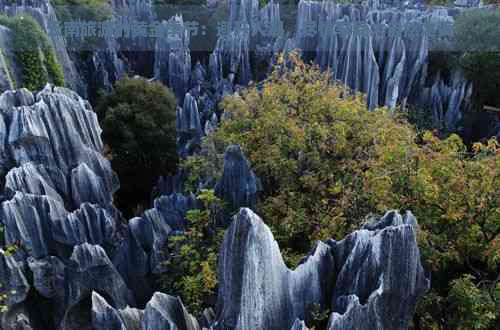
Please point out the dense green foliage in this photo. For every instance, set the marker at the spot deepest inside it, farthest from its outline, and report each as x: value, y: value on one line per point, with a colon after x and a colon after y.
x: 34, y: 52
x: 192, y: 264
x: 476, y: 30
x: 325, y: 163
x: 83, y: 10
x: 138, y: 121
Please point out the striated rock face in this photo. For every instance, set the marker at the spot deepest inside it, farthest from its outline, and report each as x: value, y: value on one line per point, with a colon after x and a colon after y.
x: 370, y: 280
x: 58, y: 208
x: 299, y: 325
x: 238, y: 185
x: 173, y: 61
x: 189, y: 129
x: 257, y: 290
x: 161, y: 312
x: 373, y: 267
x: 447, y: 101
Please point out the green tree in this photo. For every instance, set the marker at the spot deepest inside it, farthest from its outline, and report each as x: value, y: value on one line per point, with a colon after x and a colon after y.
x: 138, y: 120
x: 192, y: 264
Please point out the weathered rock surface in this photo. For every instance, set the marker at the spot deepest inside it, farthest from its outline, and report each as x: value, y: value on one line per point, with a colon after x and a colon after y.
x: 373, y: 266
x: 378, y: 267
x: 238, y: 185
x: 78, y: 257
x: 173, y: 61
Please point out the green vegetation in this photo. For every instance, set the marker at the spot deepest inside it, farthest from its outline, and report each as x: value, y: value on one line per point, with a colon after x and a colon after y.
x: 325, y: 163
x: 34, y: 52
x: 192, y: 265
x: 83, y: 10
x: 138, y: 121
x: 476, y: 30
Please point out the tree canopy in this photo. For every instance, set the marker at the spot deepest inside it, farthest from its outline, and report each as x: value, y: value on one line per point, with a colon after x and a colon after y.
x: 138, y: 121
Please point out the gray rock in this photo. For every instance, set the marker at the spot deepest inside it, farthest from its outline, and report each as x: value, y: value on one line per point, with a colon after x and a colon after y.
x: 37, y: 179
x: 173, y: 60
x: 257, y: 290
x: 239, y: 185
x: 166, y: 312
x: 34, y: 236
x: 43, y: 12
x: 189, y: 129
x: 48, y: 276
x: 93, y: 271
x: 373, y: 278
x: 88, y: 224
x: 379, y: 275
x: 299, y: 325
x: 14, y: 283
x: 105, y: 317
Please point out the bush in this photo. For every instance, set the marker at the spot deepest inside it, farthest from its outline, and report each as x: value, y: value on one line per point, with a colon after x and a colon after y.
x: 138, y: 120
x: 82, y: 10
x: 325, y: 163
x: 192, y: 264
x: 34, y: 52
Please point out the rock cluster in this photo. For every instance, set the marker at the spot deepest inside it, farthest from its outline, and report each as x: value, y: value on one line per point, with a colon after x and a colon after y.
x: 76, y: 258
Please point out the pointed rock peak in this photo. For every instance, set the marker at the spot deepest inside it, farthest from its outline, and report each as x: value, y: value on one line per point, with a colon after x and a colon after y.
x: 166, y: 312
x: 257, y: 290
x: 16, y: 98
x: 299, y: 325
x: 238, y: 185
x: 391, y: 218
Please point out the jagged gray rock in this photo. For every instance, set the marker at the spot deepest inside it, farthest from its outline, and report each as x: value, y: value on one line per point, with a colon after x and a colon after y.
x: 51, y: 151
x: 299, y: 325
x: 48, y: 276
x: 105, y: 317
x: 389, y: 70
x: 257, y: 290
x: 14, y: 283
x: 188, y: 124
x: 173, y: 61
x: 373, y: 277
x: 447, y: 101
x: 88, y: 224
x: 374, y: 266
x: 35, y: 236
x: 238, y: 185
x: 166, y: 312
x: 93, y: 271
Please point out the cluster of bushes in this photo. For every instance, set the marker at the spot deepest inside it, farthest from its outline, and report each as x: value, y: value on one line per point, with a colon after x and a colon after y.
x: 34, y: 52
x: 82, y: 10
x: 325, y: 163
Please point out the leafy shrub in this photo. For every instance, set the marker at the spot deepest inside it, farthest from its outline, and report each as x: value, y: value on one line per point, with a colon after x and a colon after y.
x: 34, y: 52
x: 472, y: 307
x: 83, y: 10
x: 192, y: 263
x: 138, y: 121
